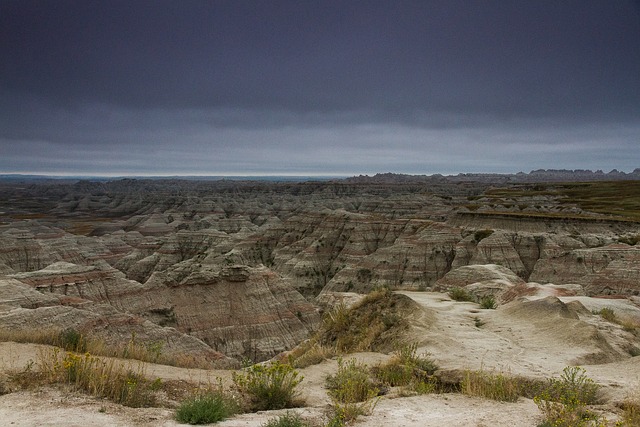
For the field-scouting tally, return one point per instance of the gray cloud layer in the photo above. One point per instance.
(250, 87)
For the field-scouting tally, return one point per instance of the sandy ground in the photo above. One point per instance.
(510, 341)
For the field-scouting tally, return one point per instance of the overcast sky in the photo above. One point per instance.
(300, 87)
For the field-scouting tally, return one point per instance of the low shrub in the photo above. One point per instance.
(351, 383)
(72, 340)
(573, 384)
(290, 419)
(269, 386)
(206, 408)
(564, 401)
(495, 386)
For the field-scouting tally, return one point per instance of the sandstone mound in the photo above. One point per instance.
(481, 280)
(378, 322)
(548, 323)
(469, 274)
(540, 310)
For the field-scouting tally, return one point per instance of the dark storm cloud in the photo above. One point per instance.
(312, 87)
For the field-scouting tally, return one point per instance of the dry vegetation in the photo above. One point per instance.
(73, 340)
(619, 200)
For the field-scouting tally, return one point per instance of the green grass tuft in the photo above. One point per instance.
(206, 408)
(494, 386)
(269, 386)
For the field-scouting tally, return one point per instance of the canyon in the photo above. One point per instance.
(231, 272)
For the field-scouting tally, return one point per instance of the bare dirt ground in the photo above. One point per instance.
(534, 341)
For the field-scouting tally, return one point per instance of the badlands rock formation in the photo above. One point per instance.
(234, 268)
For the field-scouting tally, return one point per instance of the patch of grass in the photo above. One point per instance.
(208, 407)
(310, 353)
(269, 386)
(460, 294)
(631, 411)
(36, 336)
(290, 419)
(352, 391)
(564, 400)
(494, 386)
(608, 314)
(629, 325)
(408, 369)
(351, 383)
(488, 302)
(73, 340)
(376, 323)
(117, 381)
(619, 200)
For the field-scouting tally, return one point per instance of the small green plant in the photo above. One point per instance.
(488, 302)
(336, 417)
(154, 349)
(269, 386)
(72, 340)
(459, 294)
(574, 384)
(351, 383)
(564, 401)
(290, 419)
(206, 408)
(352, 391)
(495, 386)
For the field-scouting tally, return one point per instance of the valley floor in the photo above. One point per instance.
(535, 338)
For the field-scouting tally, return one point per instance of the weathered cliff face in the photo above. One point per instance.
(26, 309)
(610, 269)
(99, 283)
(239, 311)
